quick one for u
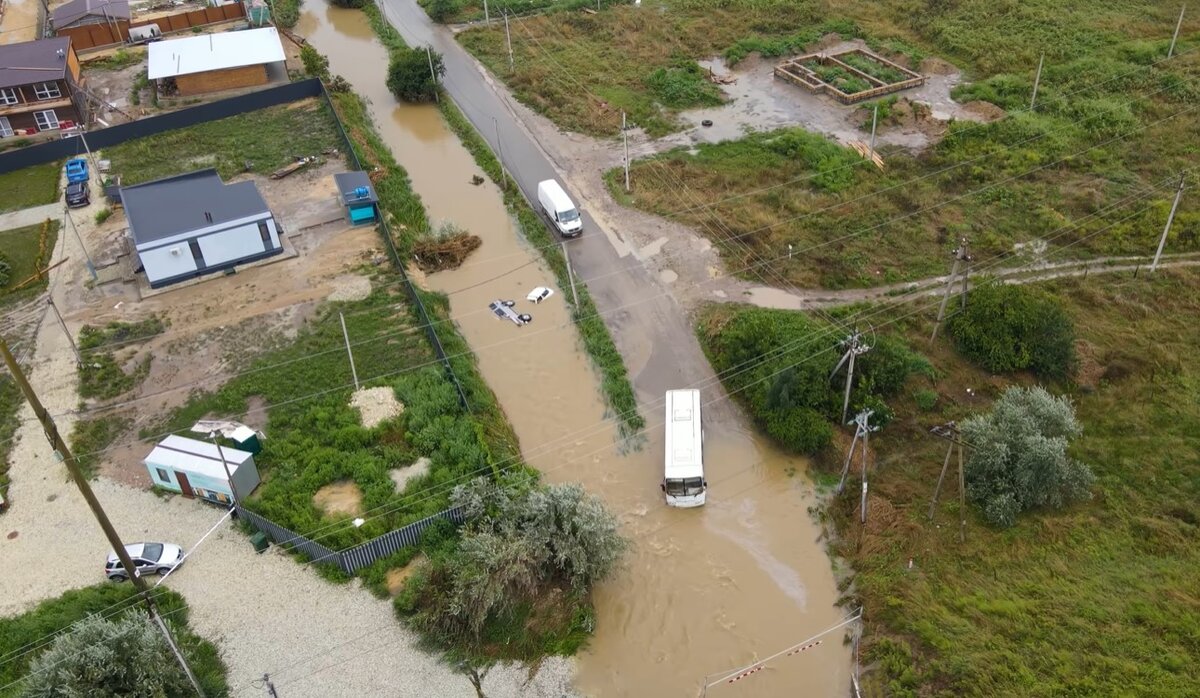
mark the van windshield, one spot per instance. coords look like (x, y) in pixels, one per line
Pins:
(686, 487)
(568, 216)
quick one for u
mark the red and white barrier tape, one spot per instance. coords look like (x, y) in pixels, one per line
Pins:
(760, 667)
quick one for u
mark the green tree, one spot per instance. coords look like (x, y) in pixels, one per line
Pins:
(315, 64)
(441, 10)
(1007, 328)
(409, 76)
(125, 658)
(1018, 458)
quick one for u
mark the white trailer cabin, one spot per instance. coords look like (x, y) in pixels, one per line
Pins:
(193, 468)
(683, 477)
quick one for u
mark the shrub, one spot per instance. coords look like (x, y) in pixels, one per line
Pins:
(103, 215)
(441, 10)
(409, 76)
(1008, 328)
(315, 64)
(5, 270)
(1018, 459)
(126, 657)
(926, 399)
(351, 4)
(801, 430)
(683, 85)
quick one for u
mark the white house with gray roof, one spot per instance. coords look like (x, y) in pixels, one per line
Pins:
(193, 224)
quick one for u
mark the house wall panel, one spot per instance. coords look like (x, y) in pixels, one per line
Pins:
(215, 80)
(231, 245)
(161, 264)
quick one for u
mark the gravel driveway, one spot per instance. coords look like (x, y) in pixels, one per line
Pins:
(267, 613)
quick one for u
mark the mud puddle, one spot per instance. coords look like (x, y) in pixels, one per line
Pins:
(700, 591)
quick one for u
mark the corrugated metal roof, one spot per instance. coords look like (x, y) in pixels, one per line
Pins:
(192, 456)
(176, 205)
(66, 14)
(33, 61)
(199, 54)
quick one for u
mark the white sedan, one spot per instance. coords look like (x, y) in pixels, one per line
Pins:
(148, 558)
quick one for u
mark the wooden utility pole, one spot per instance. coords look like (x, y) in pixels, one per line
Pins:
(63, 452)
(1162, 242)
(951, 433)
(212, 435)
(962, 256)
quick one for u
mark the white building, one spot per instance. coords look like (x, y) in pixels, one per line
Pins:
(193, 224)
(197, 469)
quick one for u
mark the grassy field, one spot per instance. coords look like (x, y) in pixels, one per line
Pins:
(260, 142)
(32, 186)
(18, 633)
(1098, 599)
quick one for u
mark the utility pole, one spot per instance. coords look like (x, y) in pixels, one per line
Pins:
(961, 256)
(212, 435)
(346, 336)
(487, 17)
(433, 74)
(625, 139)
(1170, 219)
(508, 39)
(500, 152)
(953, 435)
(571, 276)
(62, 451)
(862, 433)
(1171, 51)
(63, 325)
(874, 119)
(854, 348)
(1037, 79)
(90, 266)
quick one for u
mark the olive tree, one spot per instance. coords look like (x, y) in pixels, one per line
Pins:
(1018, 459)
(101, 658)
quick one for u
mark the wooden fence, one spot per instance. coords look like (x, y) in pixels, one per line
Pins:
(101, 35)
(797, 72)
(352, 559)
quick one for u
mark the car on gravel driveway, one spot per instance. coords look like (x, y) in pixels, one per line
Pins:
(148, 558)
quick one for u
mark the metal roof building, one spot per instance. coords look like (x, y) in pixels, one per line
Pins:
(193, 224)
(195, 469)
(80, 12)
(212, 62)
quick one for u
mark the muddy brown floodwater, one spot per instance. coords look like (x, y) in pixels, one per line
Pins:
(701, 591)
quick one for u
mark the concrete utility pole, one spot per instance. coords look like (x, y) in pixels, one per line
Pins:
(1171, 51)
(1170, 219)
(62, 451)
(487, 17)
(212, 435)
(500, 152)
(63, 325)
(874, 120)
(961, 256)
(571, 276)
(90, 266)
(1037, 79)
(346, 336)
(625, 140)
(508, 39)
(862, 433)
(433, 75)
(951, 433)
(854, 348)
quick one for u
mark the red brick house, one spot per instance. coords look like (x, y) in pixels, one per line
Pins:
(40, 87)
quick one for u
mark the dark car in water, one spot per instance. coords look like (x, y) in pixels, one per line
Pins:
(78, 194)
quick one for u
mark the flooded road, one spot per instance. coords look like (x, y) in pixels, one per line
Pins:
(701, 591)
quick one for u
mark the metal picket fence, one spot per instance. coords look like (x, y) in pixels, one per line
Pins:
(352, 559)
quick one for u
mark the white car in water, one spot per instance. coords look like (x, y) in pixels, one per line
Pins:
(148, 558)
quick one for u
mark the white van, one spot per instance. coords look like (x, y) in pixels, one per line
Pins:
(683, 476)
(557, 207)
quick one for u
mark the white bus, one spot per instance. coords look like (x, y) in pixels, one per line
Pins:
(683, 479)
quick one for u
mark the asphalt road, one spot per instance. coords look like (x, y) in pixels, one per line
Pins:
(651, 329)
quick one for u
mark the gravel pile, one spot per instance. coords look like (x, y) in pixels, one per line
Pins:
(401, 476)
(350, 287)
(376, 405)
(267, 613)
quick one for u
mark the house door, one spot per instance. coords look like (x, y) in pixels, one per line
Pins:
(184, 485)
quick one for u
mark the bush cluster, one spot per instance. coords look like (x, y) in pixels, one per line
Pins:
(410, 76)
(5, 270)
(778, 363)
(1007, 328)
(682, 85)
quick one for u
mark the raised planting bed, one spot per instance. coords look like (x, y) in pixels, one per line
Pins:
(849, 77)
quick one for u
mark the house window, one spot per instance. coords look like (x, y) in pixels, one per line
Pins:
(46, 120)
(197, 255)
(46, 90)
(8, 95)
(5, 127)
(265, 233)
(162, 475)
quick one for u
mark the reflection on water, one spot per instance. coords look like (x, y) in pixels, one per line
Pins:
(702, 590)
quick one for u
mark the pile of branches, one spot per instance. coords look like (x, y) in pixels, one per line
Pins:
(445, 251)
